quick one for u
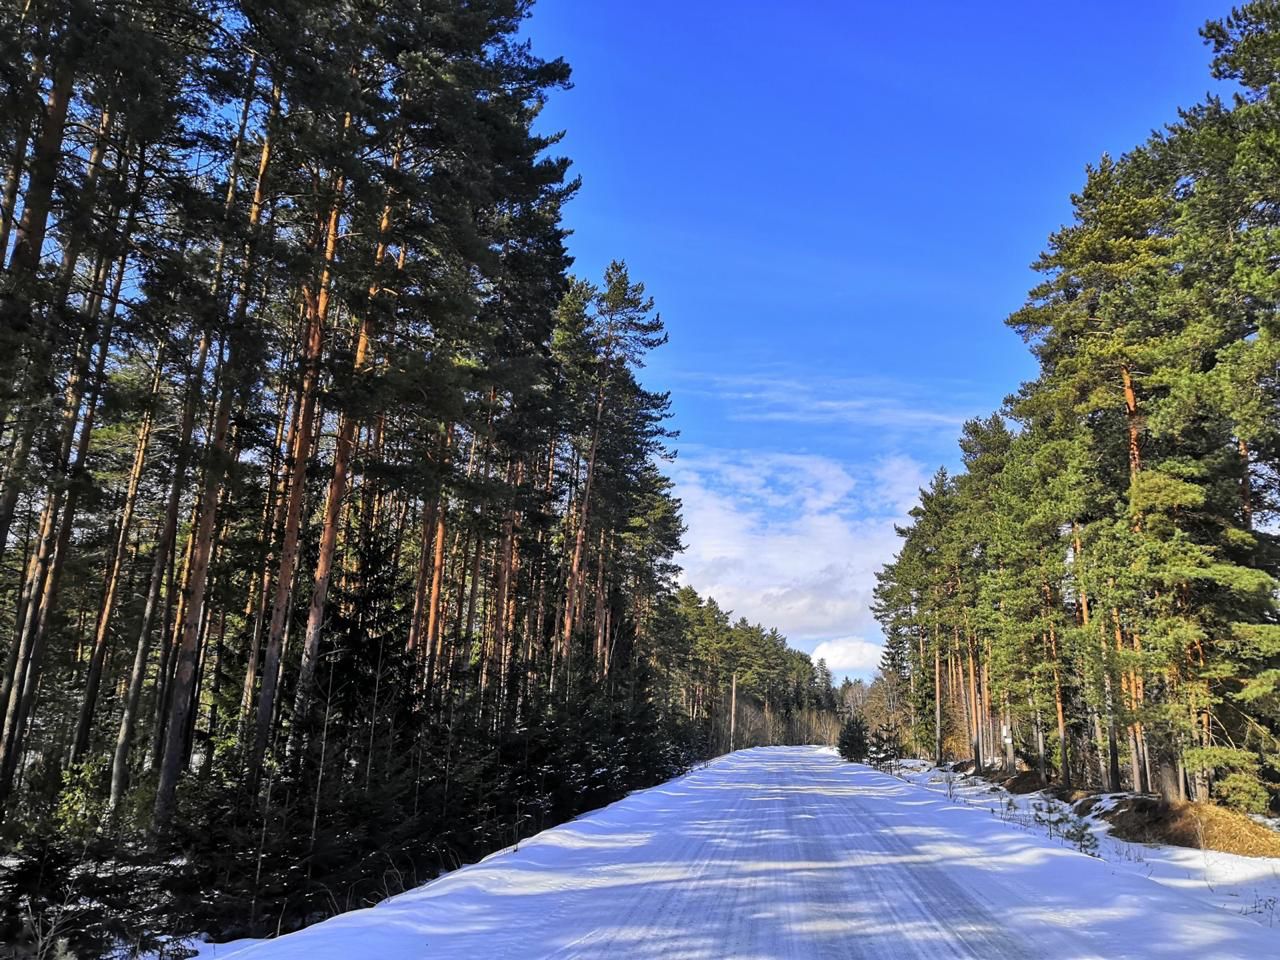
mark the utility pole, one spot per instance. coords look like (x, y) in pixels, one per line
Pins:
(733, 712)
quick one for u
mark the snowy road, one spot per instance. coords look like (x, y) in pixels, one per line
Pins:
(782, 853)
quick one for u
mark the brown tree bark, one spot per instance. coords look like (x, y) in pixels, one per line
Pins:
(1133, 421)
(422, 580)
(975, 710)
(272, 517)
(317, 298)
(23, 268)
(1058, 704)
(56, 527)
(12, 180)
(101, 632)
(155, 583)
(174, 750)
(1246, 486)
(937, 698)
(42, 175)
(502, 580)
(579, 540)
(1111, 780)
(344, 445)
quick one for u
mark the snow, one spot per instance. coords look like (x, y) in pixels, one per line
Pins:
(1249, 886)
(217, 951)
(788, 852)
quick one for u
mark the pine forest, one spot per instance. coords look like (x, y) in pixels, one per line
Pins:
(1096, 590)
(341, 521)
(336, 544)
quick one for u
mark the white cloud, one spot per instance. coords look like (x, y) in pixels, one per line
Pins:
(898, 481)
(849, 655)
(864, 402)
(792, 540)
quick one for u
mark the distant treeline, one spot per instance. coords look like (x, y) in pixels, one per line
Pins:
(1099, 583)
(743, 683)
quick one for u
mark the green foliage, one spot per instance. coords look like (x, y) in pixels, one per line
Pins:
(854, 744)
(1242, 791)
(1101, 579)
(1078, 833)
(782, 695)
(884, 749)
(1236, 776)
(81, 806)
(335, 542)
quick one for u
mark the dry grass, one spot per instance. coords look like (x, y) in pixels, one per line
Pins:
(1201, 826)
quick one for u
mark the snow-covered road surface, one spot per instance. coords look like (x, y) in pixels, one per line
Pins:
(782, 853)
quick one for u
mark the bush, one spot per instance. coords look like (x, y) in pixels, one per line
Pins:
(1242, 792)
(885, 749)
(1077, 832)
(1237, 776)
(853, 744)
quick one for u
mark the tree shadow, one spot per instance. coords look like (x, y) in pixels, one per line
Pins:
(779, 854)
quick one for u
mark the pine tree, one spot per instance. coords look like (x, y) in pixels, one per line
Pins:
(1099, 585)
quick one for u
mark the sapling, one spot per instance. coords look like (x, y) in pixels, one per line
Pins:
(1077, 833)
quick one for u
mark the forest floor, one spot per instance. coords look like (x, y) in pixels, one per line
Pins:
(789, 852)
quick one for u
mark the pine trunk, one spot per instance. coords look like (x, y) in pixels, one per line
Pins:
(345, 444)
(317, 301)
(124, 526)
(159, 564)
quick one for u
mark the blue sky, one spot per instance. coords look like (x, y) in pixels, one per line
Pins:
(835, 205)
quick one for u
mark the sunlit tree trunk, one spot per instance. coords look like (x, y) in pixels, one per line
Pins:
(317, 299)
(159, 565)
(23, 269)
(174, 749)
(579, 540)
(345, 444)
(1058, 705)
(114, 566)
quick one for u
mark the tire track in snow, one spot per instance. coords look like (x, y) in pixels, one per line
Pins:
(782, 853)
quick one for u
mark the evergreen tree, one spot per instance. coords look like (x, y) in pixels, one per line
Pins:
(853, 744)
(1096, 590)
(333, 525)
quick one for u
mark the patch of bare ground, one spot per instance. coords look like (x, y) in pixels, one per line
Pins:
(1024, 781)
(1028, 781)
(1201, 826)
(1067, 794)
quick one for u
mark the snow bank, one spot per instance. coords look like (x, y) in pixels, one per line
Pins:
(1248, 886)
(788, 852)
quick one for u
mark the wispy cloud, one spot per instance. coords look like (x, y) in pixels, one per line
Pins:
(794, 540)
(784, 397)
